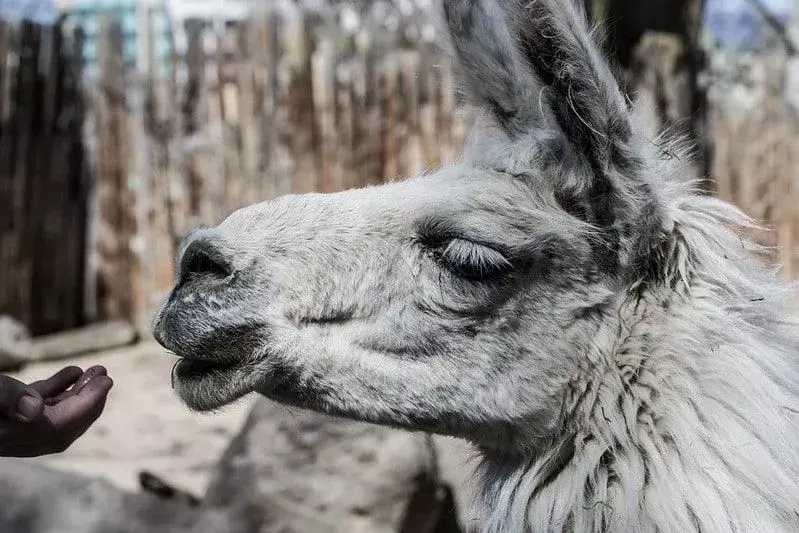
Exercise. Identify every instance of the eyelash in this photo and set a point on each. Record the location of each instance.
(470, 260)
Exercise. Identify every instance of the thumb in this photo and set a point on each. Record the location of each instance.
(19, 401)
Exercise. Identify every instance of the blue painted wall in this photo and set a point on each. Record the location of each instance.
(89, 15)
(41, 11)
(737, 25)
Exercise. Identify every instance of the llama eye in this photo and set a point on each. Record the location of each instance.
(470, 260)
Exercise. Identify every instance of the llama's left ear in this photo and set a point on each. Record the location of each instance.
(592, 123)
(534, 66)
(581, 92)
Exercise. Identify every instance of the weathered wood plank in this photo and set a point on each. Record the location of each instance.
(116, 262)
(159, 118)
(266, 59)
(345, 124)
(46, 264)
(24, 160)
(324, 112)
(77, 173)
(360, 111)
(5, 104)
(177, 195)
(242, 188)
(306, 144)
(194, 109)
(220, 162)
(6, 163)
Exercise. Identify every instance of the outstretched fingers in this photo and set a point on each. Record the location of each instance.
(58, 383)
(81, 381)
(80, 408)
(79, 400)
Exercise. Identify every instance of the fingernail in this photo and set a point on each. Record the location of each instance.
(95, 371)
(28, 407)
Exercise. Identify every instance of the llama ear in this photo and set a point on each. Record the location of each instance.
(581, 91)
(534, 65)
(489, 61)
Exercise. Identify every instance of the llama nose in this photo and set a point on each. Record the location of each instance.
(204, 258)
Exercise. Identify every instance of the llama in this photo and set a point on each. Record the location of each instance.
(563, 297)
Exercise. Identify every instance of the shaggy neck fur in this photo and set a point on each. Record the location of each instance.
(687, 419)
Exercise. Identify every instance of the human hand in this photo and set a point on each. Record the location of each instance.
(47, 416)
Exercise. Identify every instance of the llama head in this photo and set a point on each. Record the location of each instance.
(461, 302)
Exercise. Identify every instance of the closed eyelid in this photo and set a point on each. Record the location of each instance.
(430, 230)
(463, 248)
(490, 247)
(505, 234)
(471, 261)
(437, 232)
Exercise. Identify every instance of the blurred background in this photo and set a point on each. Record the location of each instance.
(126, 123)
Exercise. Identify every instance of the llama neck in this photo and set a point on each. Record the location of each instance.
(688, 423)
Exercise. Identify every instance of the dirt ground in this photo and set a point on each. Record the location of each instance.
(145, 427)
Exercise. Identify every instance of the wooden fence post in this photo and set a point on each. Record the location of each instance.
(118, 266)
(345, 124)
(242, 187)
(177, 193)
(5, 37)
(194, 118)
(269, 174)
(79, 180)
(305, 142)
(23, 158)
(360, 117)
(323, 71)
(159, 128)
(221, 163)
(47, 177)
(6, 165)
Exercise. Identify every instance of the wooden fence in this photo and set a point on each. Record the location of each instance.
(756, 160)
(43, 184)
(286, 101)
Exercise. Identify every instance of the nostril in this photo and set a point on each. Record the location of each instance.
(201, 263)
(202, 259)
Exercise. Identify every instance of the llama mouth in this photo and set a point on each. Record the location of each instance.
(192, 370)
(205, 385)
